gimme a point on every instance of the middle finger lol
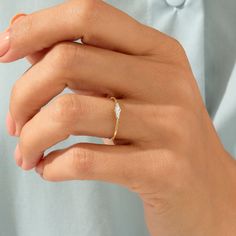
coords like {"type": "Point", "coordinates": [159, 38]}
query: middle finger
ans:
{"type": "Point", "coordinates": [79, 67]}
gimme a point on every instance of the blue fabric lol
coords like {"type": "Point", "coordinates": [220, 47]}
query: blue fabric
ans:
{"type": "Point", "coordinates": [30, 206]}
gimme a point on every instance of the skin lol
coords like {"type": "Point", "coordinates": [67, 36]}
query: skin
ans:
{"type": "Point", "coordinates": [166, 150]}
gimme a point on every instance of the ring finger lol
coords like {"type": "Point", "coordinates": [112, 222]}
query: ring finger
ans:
{"type": "Point", "coordinates": [70, 114]}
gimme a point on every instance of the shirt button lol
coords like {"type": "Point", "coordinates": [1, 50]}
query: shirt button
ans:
{"type": "Point", "coordinates": [175, 3]}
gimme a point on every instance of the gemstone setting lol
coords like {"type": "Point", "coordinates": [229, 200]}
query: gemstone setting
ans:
{"type": "Point", "coordinates": [117, 110]}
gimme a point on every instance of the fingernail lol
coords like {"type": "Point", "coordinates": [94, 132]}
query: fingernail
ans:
{"type": "Point", "coordinates": [17, 17]}
{"type": "Point", "coordinates": [39, 168]}
{"type": "Point", "coordinates": [10, 123]}
{"type": "Point", "coordinates": [29, 165]}
{"type": "Point", "coordinates": [17, 131]}
{"type": "Point", "coordinates": [4, 42]}
{"type": "Point", "coordinates": [18, 156]}
{"type": "Point", "coordinates": [5, 36]}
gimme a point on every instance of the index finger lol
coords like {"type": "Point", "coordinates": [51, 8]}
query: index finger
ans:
{"type": "Point", "coordinates": [93, 21]}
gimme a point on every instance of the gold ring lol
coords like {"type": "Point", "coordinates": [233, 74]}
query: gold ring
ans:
{"type": "Point", "coordinates": [117, 111]}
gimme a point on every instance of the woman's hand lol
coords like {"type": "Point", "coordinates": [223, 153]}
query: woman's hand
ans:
{"type": "Point", "coordinates": [166, 149]}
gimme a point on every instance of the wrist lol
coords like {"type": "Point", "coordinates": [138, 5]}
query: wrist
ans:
{"type": "Point", "coordinates": [216, 211]}
{"type": "Point", "coordinates": [223, 202]}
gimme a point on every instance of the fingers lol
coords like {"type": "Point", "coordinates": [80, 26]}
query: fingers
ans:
{"type": "Point", "coordinates": [117, 164]}
{"type": "Point", "coordinates": [69, 114]}
{"type": "Point", "coordinates": [69, 65]}
{"type": "Point", "coordinates": [93, 21]}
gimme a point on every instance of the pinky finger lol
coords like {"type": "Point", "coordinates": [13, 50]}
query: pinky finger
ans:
{"type": "Point", "coordinates": [87, 161]}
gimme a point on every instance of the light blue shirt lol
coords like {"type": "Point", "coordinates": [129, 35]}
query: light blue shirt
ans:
{"type": "Point", "coordinates": [30, 206]}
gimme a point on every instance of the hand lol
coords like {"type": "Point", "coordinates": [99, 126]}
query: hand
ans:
{"type": "Point", "coordinates": [166, 150]}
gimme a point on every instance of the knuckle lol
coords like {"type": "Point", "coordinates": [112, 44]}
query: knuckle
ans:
{"type": "Point", "coordinates": [61, 57]}
{"type": "Point", "coordinates": [87, 8]}
{"type": "Point", "coordinates": [173, 121]}
{"type": "Point", "coordinates": [89, 11]}
{"type": "Point", "coordinates": [177, 45]}
{"type": "Point", "coordinates": [177, 52]}
{"type": "Point", "coordinates": [173, 52]}
{"type": "Point", "coordinates": [81, 11]}
{"type": "Point", "coordinates": [82, 161]}
{"type": "Point", "coordinates": [67, 107]}
{"type": "Point", "coordinates": [61, 107]}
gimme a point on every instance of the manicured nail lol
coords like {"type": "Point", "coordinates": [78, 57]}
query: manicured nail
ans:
{"type": "Point", "coordinates": [5, 36]}
{"type": "Point", "coordinates": [18, 156]}
{"type": "Point", "coordinates": [17, 17]}
{"type": "Point", "coordinates": [10, 123]}
{"type": "Point", "coordinates": [4, 42]}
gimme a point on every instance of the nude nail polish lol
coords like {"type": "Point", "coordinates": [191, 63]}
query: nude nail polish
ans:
{"type": "Point", "coordinates": [5, 36]}
{"type": "Point", "coordinates": [4, 42]}
{"type": "Point", "coordinates": [17, 17]}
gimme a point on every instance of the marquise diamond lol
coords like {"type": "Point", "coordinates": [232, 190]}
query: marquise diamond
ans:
{"type": "Point", "coordinates": [117, 110]}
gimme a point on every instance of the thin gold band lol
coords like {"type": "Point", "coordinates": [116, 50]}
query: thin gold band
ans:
{"type": "Point", "coordinates": [117, 111]}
